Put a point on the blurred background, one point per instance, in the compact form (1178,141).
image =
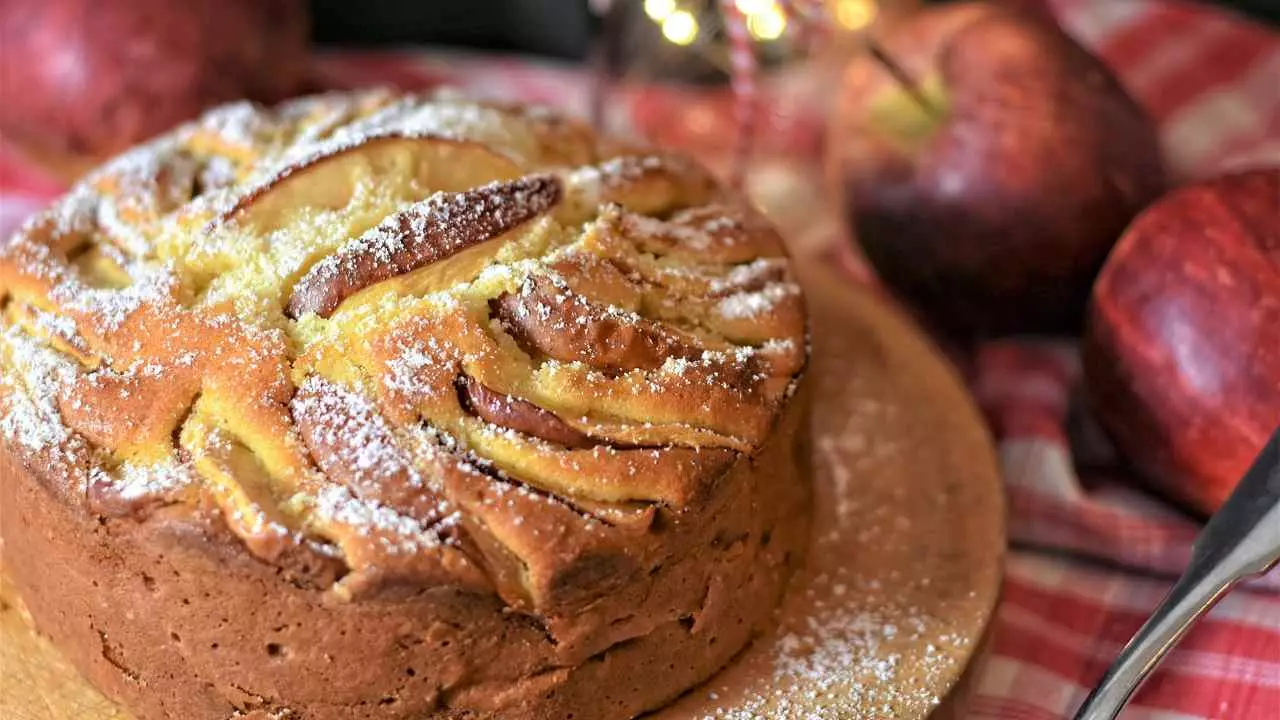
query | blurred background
(112,74)
(560,28)
(1128,393)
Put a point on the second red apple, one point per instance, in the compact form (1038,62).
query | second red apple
(990,194)
(1182,353)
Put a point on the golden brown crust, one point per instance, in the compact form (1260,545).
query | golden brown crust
(393,347)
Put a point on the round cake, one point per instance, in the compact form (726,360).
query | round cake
(384,406)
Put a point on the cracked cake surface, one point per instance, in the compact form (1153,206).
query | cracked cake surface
(383,406)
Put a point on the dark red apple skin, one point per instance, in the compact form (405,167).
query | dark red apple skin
(93,77)
(1182,348)
(1000,221)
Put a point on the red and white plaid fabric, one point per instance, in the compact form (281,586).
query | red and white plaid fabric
(1093,553)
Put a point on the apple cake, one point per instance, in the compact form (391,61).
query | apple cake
(384,406)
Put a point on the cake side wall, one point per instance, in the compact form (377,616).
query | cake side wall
(172,618)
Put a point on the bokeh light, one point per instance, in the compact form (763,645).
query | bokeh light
(751,7)
(854,14)
(659,10)
(768,24)
(680,27)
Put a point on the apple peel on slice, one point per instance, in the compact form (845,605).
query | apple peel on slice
(424,233)
(520,415)
(548,318)
(328,178)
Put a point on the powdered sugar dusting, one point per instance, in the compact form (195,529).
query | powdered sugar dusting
(75,214)
(240,123)
(409,118)
(61,327)
(217,174)
(752,273)
(407,365)
(689,237)
(110,307)
(460,120)
(449,222)
(136,481)
(587,186)
(32,418)
(394,532)
(880,623)
(876,662)
(347,422)
(756,303)
(854,645)
(123,232)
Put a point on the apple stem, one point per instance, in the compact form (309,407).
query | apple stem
(903,78)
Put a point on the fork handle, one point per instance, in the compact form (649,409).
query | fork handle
(1242,539)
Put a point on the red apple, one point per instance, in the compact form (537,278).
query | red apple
(90,78)
(1182,350)
(989,183)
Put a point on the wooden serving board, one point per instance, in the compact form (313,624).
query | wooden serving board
(904,571)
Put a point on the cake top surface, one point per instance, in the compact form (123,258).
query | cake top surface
(388,337)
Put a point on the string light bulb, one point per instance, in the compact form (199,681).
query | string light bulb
(752,7)
(854,14)
(680,27)
(659,10)
(768,24)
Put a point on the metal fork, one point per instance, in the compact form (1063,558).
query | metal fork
(1241,540)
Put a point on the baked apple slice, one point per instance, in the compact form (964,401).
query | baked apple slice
(424,233)
(547,317)
(62,337)
(516,414)
(238,482)
(353,444)
(400,164)
(720,233)
(648,184)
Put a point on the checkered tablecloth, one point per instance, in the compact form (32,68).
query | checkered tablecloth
(1093,554)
